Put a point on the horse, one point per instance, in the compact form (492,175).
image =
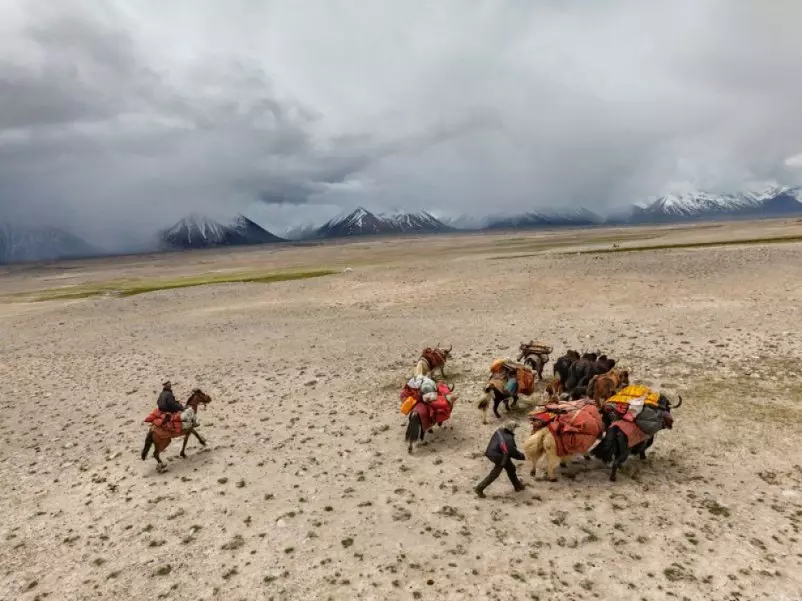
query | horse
(432,359)
(159,436)
(424,415)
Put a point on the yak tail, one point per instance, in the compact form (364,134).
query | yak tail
(148,444)
(484,403)
(414,428)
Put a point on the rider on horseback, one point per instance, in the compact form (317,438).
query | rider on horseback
(167,402)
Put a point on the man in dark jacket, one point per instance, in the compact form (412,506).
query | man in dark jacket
(167,402)
(501,450)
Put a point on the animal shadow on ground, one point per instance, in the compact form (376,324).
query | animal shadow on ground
(195,458)
(441,442)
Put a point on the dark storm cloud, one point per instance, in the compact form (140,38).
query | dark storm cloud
(117,118)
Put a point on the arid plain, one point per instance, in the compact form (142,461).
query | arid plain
(306,490)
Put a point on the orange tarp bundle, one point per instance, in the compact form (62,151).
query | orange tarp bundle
(575,432)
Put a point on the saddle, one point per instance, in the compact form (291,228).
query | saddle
(536,348)
(168,421)
(434,357)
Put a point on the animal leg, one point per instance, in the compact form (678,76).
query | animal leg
(148,444)
(533,449)
(184,446)
(199,437)
(646,445)
(483,405)
(621,455)
(496,403)
(159,463)
(552,459)
(552,463)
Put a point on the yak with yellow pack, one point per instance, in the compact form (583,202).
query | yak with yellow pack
(635,392)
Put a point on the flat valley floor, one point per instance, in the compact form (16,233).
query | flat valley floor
(306,490)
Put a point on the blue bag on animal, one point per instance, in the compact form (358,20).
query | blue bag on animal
(428,385)
(511,386)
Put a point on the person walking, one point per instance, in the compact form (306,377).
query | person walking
(501,450)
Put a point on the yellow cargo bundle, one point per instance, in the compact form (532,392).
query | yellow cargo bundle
(408,404)
(635,391)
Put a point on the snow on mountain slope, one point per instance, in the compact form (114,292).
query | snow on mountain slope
(359,222)
(197,231)
(23,244)
(535,219)
(362,222)
(771,199)
(420,222)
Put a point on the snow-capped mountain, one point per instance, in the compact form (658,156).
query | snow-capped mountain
(197,231)
(540,219)
(362,222)
(773,200)
(421,222)
(26,244)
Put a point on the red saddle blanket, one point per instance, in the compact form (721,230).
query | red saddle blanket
(632,431)
(435,357)
(167,421)
(436,412)
(576,431)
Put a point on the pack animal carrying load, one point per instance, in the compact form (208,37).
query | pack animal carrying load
(535,347)
(434,357)
(526,380)
(643,407)
(575,425)
(634,392)
(548,413)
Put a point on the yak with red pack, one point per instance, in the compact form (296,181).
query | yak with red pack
(624,436)
(424,411)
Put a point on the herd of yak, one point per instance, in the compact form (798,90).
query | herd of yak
(589,408)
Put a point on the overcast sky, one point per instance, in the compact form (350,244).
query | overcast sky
(119,117)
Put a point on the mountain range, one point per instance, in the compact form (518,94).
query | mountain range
(25,244)
(771,201)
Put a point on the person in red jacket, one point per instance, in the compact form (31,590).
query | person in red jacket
(501,450)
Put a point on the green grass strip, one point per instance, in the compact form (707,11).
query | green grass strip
(681,245)
(132,288)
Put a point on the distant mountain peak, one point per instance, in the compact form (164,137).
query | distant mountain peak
(29,244)
(361,222)
(199,231)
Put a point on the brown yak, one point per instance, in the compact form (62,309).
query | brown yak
(602,387)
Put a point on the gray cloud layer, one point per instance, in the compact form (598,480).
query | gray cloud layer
(117,118)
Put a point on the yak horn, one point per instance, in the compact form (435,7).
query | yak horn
(450,347)
(678,405)
(451,388)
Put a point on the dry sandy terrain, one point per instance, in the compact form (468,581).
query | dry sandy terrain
(306,490)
